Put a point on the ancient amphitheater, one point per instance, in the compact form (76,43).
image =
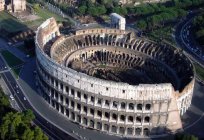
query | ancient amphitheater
(112,81)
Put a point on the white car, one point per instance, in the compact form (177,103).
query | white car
(24,98)
(11,96)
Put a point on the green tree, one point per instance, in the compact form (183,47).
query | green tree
(82,10)
(38,135)
(36,6)
(101,10)
(141,24)
(28,134)
(92,11)
(28,116)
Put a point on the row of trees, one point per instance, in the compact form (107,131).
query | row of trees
(198,29)
(16,125)
(158,20)
(108,6)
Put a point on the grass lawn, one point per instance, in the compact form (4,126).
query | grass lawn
(199,71)
(10,23)
(45,14)
(11,59)
(16,71)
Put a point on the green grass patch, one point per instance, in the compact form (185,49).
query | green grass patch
(16,71)
(11,59)
(45,14)
(199,71)
(10,23)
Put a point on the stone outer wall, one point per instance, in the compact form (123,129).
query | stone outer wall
(116,108)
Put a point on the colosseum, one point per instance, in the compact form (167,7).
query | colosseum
(111,80)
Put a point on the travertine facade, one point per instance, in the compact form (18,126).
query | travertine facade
(18,5)
(122,107)
(2,4)
(13,6)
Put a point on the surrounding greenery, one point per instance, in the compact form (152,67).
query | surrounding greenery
(198,29)
(185,137)
(45,14)
(10,23)
(15,125)
(11,59)
(199,71)
(162,34)
(16,71)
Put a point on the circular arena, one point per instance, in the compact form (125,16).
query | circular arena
(113,81)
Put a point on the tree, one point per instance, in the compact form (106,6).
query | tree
(101,10)
(92,11)
(142,24)
(28,135)
(38,135)
(28,116)
(36,6)
(82,10)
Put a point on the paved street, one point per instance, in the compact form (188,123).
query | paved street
(186,41)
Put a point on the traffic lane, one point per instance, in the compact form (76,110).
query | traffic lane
(2,65)
(10,81)
(184,47)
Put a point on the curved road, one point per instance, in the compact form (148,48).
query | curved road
(193,119)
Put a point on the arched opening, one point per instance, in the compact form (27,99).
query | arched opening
(121,130)
(146,132)
(123,105)
(130,118)
(129,131)
(139,107)
(147,119)
(138,131)
(99,126)
(147,107)
(138,119)
(114,116)
(131,106)
(114,129)
(122,118)
(91,124)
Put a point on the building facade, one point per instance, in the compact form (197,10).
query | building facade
(18,5)
(2,5)
(66,65)
(117,21)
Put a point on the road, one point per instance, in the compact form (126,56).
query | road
(193,119)
(186,41)
(23,103)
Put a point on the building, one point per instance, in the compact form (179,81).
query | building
(111,81)
(2,5)
(117,21)
(18,5)
(13,6)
